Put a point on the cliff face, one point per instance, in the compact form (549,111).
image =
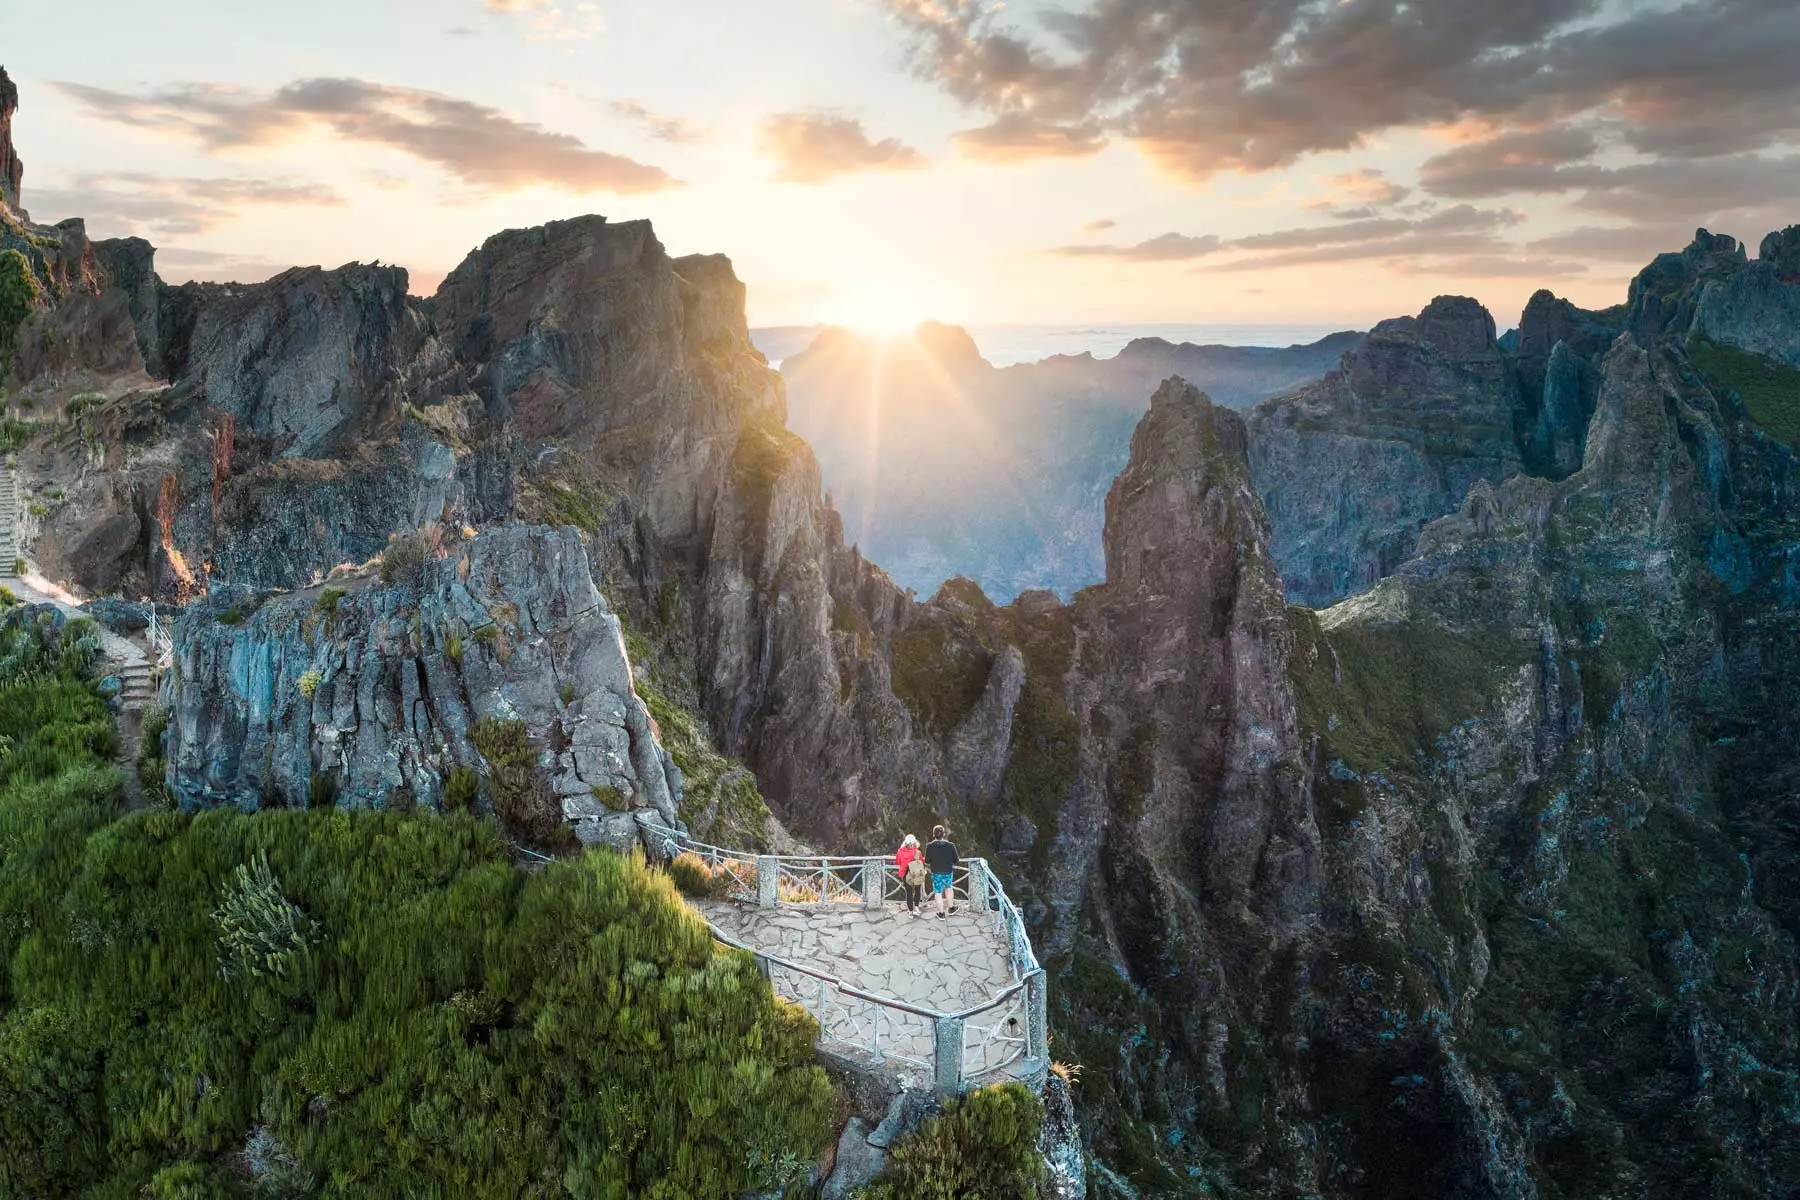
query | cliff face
(1422,409)
(372,695)
(12,171)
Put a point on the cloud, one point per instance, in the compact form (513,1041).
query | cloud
(1404,248)
(1636,244)
(1657,192)
(132,202)
(1170,247)
(1016,137)
(817,145)
(551,18)
(477,144)
(676,130)
(1256,84)
(181,264)
(1459,229)
(1493,267)
(1368,187)
(1536,160)
(1099,225)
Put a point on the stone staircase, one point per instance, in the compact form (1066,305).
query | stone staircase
(9,523)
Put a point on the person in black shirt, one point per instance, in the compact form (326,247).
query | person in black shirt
(941,857)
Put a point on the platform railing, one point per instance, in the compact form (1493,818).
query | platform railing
(1005,1036)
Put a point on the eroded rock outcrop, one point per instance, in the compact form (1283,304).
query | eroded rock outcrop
(12,171)
(370,695)
(1350,467)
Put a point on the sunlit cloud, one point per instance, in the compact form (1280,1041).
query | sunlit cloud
(679,131)
(819,145)
(139,203)
(476,143)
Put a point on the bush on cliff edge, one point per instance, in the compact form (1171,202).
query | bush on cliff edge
(985,1146)
(457,1027)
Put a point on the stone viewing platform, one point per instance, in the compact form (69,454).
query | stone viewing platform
(944,1003)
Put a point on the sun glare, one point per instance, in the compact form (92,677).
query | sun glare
(886,312)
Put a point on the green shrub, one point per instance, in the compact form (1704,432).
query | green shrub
(13,433)
(464,1028)
(261,932)
(523,799)
(150,761)
(309,682)
(321,790)
(327,602)
(83,404)
(985,1145)
(404,558)
(7,598)
(461,787)
(19,295)
(233,615)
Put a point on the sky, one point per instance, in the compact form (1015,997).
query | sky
(875,162)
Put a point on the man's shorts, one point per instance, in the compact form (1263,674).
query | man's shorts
(940,883)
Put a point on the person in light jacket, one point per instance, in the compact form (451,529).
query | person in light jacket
(941,858)
(912,877)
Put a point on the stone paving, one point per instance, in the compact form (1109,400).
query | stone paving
(947,964)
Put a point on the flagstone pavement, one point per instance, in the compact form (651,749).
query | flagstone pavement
(947,964)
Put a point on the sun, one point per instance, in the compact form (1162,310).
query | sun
(885,312)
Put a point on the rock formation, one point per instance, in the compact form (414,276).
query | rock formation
(943,465)
(1479,883)
(12,171)
(370,694)
(1417,413)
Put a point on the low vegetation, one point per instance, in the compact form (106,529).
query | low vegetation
(523,798)
(1768,390)
(985,1145)
(355,1004)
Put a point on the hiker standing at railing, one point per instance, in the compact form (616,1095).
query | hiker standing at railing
(909,864)
(941,858)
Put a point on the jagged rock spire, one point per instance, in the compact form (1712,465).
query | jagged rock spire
(12,171)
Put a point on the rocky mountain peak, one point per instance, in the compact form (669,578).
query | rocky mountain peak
(12,171)
(1458,328)
(1782,248)
(1187,457)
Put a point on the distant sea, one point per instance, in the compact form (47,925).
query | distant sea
(1005,345)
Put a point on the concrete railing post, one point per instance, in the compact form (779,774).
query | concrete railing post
(874,879)
(947,1052)
(1037,1028)
(768,881)
(977,885)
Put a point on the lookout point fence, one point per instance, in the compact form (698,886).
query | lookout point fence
(812,900)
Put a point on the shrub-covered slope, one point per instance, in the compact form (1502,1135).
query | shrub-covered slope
(355,1004)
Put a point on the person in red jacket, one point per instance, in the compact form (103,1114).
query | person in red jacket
(912,881)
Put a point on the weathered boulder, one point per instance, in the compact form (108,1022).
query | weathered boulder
(372,693)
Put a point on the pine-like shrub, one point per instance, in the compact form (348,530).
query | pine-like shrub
(984,1147)
(446,1024)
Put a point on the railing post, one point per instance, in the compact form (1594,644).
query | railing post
(947,1054)
(1037,1032)
(768,881)
(977,885)
(874,879)
(762,967)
